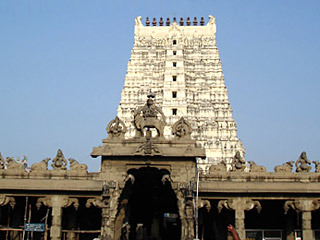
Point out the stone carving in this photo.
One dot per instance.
(130, 178)
(182, 214)
(302, 205)
(4, 200)
(59, 162)
(109, 214)
(220, 167)
(12, 164)
(137, 21)
(147, 117)
(148, 148)
(41, 166)
(116, 129)
(316, 166)
(239, 204)
(286, 167)
(238, 164)
(2, 162)
(302, 164)
(75, 165)
(206, 204)
(64, 202)
(212, 22)
(96, 202)
(182, 129)
(166, 178)
(256, 168)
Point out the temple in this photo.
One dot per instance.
(150, 186)
(180, 64)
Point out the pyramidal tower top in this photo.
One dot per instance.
(178, 61)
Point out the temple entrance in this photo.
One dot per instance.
(151, 206)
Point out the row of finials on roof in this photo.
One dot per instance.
(181, 22)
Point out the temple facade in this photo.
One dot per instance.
(149, 187)
(179, 62)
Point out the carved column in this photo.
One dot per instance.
(181, 207)
(189, 217)
(239, 205)
(305, 206)
(57, 203)
(99, 202)
(109, 214)
(186, 211)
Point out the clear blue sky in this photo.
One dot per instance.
(63, 63)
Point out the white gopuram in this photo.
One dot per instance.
(179, 63)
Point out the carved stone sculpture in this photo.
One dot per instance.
(116, 129)
(12, 164)
(206, 204)
(62, 201)
(96, 202)
(220, 167)
(75, 165)
(41, 166)
(4, 200)
(147, 148)
(147, 117)
(256, 168)
(238, 164)
(239, 204)
(302, 164)
(131, 178)
(286, 167)
(137, 21)
(302, 205)
(166, 178)
(316, 166)
(59, 162)
(2, 162)
(182, 129)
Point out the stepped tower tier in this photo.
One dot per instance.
(179, 63)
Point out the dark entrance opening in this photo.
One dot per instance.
(152, 211)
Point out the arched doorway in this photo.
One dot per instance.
(151, 205)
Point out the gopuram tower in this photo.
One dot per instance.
(179, 63)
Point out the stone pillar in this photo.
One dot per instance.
(306, 225)
(57, 202)
(306, 206)
(239, 222)
(239, 205)
(181, 207)
(186, 211)
(109, 214)
(189, 218)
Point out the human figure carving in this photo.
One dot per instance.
(116, 129)
(182, 129)
(256, 168)
(43, 165)
(302, 164)
(59, 162)
(286, 167)
(238, 163)
(147, 117)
